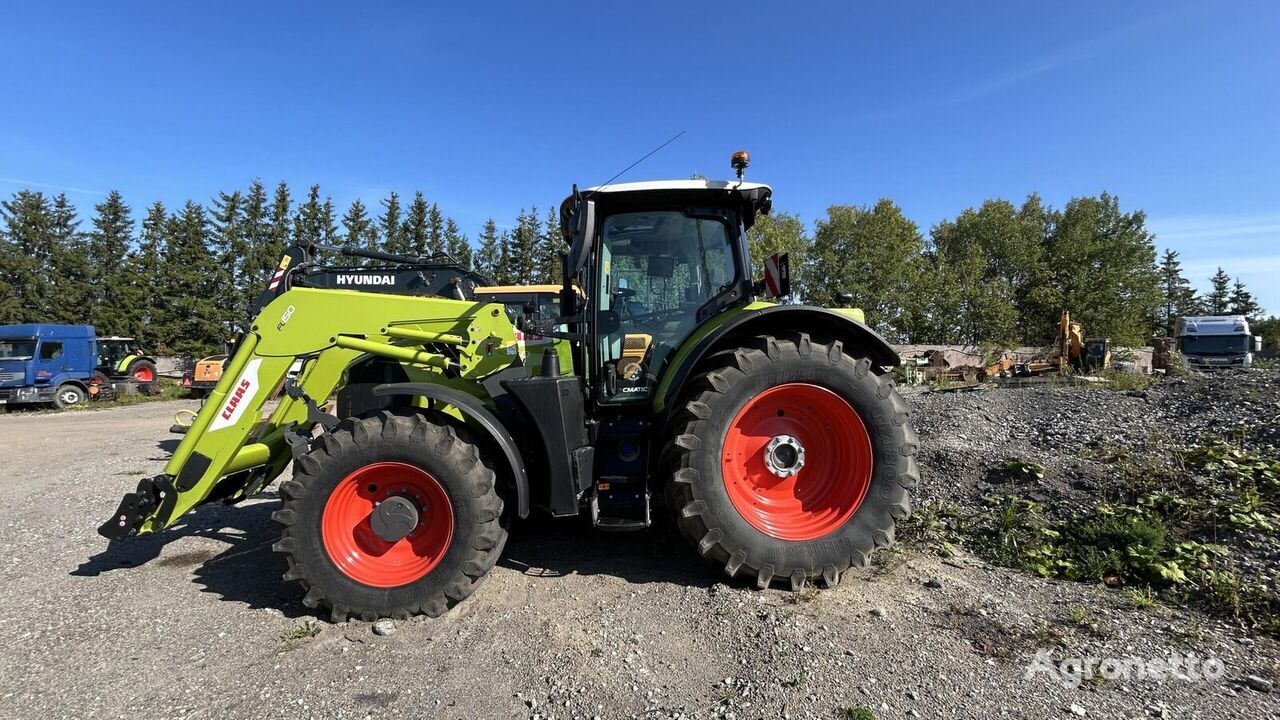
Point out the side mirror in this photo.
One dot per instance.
(1257, 343)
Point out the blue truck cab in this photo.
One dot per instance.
(44, 363)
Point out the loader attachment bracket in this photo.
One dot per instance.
(314, 414)
(137, 506)
(299, 442)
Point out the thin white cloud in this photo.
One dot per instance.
(1254, 265)
(50, 186)
(1211, 227)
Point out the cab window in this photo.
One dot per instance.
(657, 270)
(50, 350)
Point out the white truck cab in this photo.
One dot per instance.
(1216, 341)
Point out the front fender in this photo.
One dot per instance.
(474, 410)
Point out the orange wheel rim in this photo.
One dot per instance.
(359, 553)
(797, 461)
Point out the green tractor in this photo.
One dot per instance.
(420, 427)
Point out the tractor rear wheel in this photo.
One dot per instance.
(390, 516)
(142, 371)
(790, 460)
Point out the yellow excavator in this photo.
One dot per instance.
(1077, 352)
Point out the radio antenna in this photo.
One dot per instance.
(637, 162)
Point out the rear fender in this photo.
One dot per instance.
(761, 319)
(123, 366)
(478, 415)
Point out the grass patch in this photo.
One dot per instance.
(304, 630)
(1125, 381)
(857, 713)
(1023, 469)
(1171, 533)
(1143, 598)
(166, 390)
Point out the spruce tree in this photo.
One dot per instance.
(147, 283)
(28, 258)
(1178, 299)
(523, 252)
(310, 224)
(1242, 303)
(230, 246)
(489, 255)
(393, 240)
(550, 245)
(456, 244)
(111, 310)
(268, 238)
(328, 222)
(72, 274)
(416, 226)
(435, 232)
(505, 270)
(1219, 299)
(358, 226)
(196, 325)
(260, 253)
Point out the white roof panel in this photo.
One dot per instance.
(677, 185)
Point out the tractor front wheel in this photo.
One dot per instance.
(390, 516)
(790, 460)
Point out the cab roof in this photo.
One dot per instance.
(703, 184)
(751, 198)
(54, 330)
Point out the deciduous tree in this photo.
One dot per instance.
(872, 254)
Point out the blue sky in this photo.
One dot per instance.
(488, 107)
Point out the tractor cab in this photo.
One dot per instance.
(659, 259)
(120, 359)
(112, 350)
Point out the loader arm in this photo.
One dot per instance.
(232, 452)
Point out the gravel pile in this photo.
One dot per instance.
(967, 436)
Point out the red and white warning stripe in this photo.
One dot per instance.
(773, 276)
(275, 279)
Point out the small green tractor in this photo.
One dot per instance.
(419, 426)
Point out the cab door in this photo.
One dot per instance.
(659, 273)
(50, 361)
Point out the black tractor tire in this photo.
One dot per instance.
(69, 394)
(698, 495)
(433, 443)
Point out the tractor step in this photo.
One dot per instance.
(620, 504)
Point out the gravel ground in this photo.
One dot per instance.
(194, 623)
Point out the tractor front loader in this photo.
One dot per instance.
(419, 426)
